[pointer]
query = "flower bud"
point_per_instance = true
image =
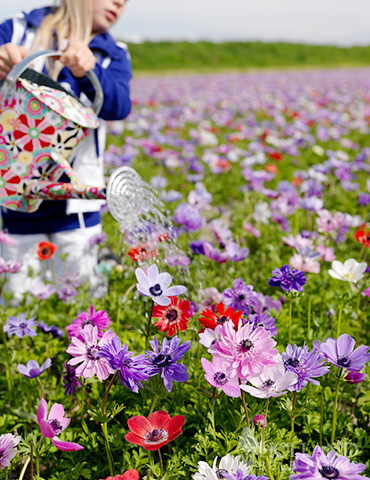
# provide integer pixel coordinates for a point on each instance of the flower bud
(260, 420)
(355, 377)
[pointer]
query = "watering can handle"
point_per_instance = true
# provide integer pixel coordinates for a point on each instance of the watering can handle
(18, 69)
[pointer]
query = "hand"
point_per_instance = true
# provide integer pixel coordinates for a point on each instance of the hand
(10, 55)
(78, 58)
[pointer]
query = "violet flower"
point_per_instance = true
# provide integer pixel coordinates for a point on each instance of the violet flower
(53, 425)
(71, 382)
(20, 326)
(340, 353)
(8, 451)
(263, 320)
(288, 279)
(132, 371)
(33, 369)
(66, 292)
(97, 239)
(189, 217)
(156, 285)
(55, 331)
(10, 266)
(240, 297)
(42, 291)
(236, 253)
(305, 364)
(164, 360)
(320, 466)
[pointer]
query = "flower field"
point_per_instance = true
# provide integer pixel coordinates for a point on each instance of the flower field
(229, 341)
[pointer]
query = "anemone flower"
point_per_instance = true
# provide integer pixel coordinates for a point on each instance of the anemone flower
(156, 285)
(173, 316)
(349, 271)
(155, 431)
(8, 451)
(128, 475)
(248, 351)
(319, 466)
(271, 382)
(46, 250)
(53, 425)
(33, 369)
(212, 319)
(341, 353)
(100, 318)
(218, 374)
(86, 353)
(227, 465)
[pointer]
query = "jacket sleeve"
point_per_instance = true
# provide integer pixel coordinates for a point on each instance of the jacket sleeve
(115, 84)
(6, 31)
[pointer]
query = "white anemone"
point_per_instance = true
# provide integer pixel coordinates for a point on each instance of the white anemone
(349, 271)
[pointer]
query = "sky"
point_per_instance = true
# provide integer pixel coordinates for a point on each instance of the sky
(335, 22)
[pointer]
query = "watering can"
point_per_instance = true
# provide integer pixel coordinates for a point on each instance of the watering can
(41, 124)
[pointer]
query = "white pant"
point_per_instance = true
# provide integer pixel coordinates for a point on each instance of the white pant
(80, 257)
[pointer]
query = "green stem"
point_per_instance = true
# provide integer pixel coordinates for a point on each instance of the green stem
(23, 471)
(264, 429)
(269, 473)
(340, 317)
(309, 317)
(335, 413)
(104, 426)
(81, 404)
(160, 462)
(154, 403)
(244, 405)
(290, 320)
(148, 326)
(321, 415)
(107, 392)
(292, 418)
(107, 448)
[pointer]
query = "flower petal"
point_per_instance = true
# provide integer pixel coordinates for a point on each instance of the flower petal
(139, 425)
(66, 446)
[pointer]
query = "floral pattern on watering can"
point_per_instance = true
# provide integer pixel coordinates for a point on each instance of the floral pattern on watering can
(39, 128)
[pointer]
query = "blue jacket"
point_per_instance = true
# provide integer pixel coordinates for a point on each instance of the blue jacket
(114, 78)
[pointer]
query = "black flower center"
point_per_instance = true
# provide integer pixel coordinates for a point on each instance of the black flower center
(156, 290)
(343, 361)
(267, 384)
(221, 320)
(88, 322)
(292, 362)
(56, 426)
(23, 325)
(92, 351)
(220, 473)
(220, 378)
(162, 360)
(329, 472)
(245, 346)
(157, 435)
(171, 315)
(241, 297)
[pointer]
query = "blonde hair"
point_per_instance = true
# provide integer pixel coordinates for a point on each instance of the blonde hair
(71, 19)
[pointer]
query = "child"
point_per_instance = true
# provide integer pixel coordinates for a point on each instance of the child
(79, 28)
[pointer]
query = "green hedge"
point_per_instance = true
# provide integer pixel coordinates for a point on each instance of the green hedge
(159, 56)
